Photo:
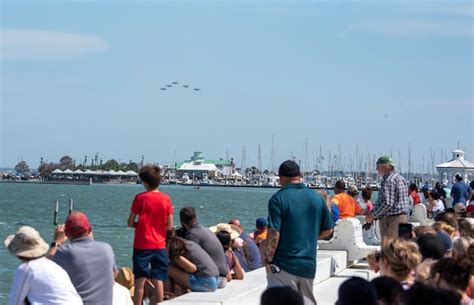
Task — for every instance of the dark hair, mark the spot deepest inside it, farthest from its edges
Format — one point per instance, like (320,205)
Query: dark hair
(340,185)
(413,187)
(388,290)
(420,294)
(471,184)
(176,247)
(281,296)
(455,273)
(448,218)
(458,177)
(224,238)
(187,215)
(366,193)
(355,291)
(430,246)
(150,174)
(434,194)
(181,232)
(170,234)
(465,228)
(289,168)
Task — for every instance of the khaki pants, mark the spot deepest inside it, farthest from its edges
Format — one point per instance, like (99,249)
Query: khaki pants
(302,285)
(389,225)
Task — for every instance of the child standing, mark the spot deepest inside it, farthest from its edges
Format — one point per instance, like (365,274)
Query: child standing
(151,215)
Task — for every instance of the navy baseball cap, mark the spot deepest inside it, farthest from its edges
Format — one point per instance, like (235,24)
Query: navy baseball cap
(261,222)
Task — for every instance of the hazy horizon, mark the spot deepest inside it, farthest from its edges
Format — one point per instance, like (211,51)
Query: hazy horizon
(79,78)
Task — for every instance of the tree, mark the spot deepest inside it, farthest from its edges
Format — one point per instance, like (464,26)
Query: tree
(111,165)
(132,166)
(66,162)
(23,168)
(47,168)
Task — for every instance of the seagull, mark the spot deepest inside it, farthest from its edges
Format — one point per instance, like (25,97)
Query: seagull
(169,86)
(196,89)
(163,89)
(175,83)
(185,86)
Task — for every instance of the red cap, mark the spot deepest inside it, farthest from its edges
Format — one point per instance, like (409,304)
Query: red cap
(77,223)
(470,208)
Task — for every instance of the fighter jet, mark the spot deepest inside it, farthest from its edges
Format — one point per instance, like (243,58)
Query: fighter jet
(196,89)
(175,83)
(185,86)
(169,86)
(163,89)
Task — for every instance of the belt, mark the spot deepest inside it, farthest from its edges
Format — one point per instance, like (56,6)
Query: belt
(399,214)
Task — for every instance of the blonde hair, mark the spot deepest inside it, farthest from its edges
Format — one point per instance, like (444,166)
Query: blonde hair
(442,226)
(461,247)
(423,270)
(401,255)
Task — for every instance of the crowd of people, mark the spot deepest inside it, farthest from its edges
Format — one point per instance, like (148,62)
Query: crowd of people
(434,261)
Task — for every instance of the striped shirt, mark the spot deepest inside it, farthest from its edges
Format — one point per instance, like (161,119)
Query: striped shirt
(393,196)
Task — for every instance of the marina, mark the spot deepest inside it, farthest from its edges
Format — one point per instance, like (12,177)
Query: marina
(338,135)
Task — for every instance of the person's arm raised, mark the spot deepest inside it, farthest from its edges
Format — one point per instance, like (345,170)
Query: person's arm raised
(59,239)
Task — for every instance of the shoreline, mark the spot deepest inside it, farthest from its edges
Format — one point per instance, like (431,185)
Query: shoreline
(196,186)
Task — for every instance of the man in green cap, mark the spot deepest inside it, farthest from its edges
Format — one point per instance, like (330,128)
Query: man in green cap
(392,204)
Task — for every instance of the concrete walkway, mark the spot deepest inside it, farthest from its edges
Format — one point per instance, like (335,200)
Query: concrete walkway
(330,273)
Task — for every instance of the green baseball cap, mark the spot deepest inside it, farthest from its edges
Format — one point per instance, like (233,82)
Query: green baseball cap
(386,160)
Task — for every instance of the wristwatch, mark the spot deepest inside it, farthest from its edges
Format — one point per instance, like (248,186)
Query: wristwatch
(54,244)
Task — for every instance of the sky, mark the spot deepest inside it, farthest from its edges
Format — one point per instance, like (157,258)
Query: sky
(84,77)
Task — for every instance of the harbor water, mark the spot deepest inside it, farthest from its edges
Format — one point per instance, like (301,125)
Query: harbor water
(108,207)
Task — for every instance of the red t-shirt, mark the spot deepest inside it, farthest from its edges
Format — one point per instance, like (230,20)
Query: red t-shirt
(153,209)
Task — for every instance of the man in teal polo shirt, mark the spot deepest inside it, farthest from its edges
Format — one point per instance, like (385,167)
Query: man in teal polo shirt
(297,217)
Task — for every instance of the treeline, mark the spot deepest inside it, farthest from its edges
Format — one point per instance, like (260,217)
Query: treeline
(67,162)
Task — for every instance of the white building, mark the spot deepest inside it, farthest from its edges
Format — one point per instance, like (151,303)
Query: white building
(199,167)
(458,165)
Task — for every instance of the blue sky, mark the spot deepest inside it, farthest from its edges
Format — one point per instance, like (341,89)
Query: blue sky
(84,77)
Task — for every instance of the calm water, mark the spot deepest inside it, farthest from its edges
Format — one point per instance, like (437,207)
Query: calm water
(108,208)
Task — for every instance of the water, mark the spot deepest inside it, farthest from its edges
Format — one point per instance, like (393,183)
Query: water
(108,207)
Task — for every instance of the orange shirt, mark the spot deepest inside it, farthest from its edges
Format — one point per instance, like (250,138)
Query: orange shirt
(259,237)
(347,205)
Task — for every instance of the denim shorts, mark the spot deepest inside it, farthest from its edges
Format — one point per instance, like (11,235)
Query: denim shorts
(150,264)
(202,283)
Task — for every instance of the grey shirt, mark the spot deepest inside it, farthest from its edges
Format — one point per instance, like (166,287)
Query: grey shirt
(204,263)
(209,242)
(90,266)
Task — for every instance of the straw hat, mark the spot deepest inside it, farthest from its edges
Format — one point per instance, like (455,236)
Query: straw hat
(126,279)
(27,243)
(233,230)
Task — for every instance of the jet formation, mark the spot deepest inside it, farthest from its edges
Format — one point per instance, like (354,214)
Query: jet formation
(174,83)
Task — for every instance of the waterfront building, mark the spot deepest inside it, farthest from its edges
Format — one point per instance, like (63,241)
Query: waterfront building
(457,165)
(199,167)
(95,176)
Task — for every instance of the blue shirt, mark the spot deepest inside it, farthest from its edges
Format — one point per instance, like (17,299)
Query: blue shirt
(299,214)
(460,192)
(254,260)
